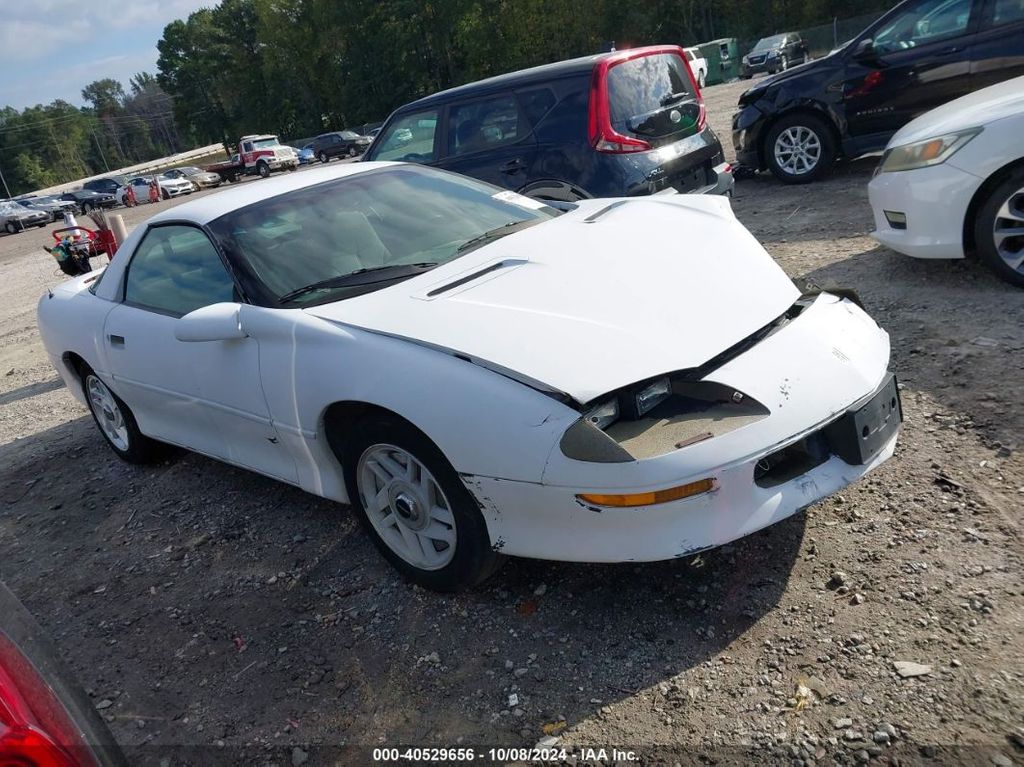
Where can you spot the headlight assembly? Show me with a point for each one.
(923, 154)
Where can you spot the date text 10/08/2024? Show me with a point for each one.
(500, 755)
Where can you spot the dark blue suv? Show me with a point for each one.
(612, 125)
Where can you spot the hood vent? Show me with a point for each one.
(475, 276)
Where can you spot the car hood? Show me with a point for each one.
(762, 86)
(608, 295)
(1006, 99)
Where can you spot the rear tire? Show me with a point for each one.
(799, 148)
(117, 424)
(414, 506)
(999, 229)
(700, 80)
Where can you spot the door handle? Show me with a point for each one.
(116, 340)
(513, 166)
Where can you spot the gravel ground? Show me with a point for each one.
(200, 604)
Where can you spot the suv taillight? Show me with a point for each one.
(603, 137)
(33, 723)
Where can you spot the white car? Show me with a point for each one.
(477, 373)
(951, 182)
(698, 65)
(169, 187)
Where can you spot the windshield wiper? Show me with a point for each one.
(493, 234)
(671, 98)
(359, 277)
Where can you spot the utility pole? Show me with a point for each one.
(102, 156)
(4, 180)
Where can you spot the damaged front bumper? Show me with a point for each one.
(823, 381)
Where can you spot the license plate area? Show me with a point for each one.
(861, 433)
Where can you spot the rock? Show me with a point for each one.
(880, 737)
(299, 757)
(857, 599)
(432, 658)
(513, 700)
(547, 741)
(843, 723)
(521, 672)
(509, 665)
(908, 669)
(104, 704)
(839, 578)
(1000, 760)
(541, 590)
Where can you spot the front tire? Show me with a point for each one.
(11, 228)
(117, 423)
(417, 510)
(322, 157)
(262, 169)
(799, 148)
(700, 80)
(783, 64)
(999, 229)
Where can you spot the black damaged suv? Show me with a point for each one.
(612, 125)
(919, 55)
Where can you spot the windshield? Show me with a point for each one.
(265, 143)
(380, 220)
(769, 42)
(349, 135)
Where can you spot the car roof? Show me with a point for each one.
(544, 72)
(206, 209)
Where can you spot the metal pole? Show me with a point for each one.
(4, 180)
(102, 156)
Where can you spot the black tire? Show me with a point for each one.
(86, 207)
(164, 194)
(474, 560)
(11, 228)
(1009, 193)
(744, 76)
(322, 157)
(139, 448)
(262, 169)
(783, 64)
(352, 151)
(803, 124)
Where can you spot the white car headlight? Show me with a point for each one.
(651, 395)
(922, 154)
(604, 415)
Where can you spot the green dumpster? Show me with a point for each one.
(723, 59)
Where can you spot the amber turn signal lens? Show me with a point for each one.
(649, 499)
(932, 149)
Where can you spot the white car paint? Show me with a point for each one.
(172, 186)
(935, 199)
(583, 307)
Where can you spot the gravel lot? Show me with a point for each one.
(204, 605)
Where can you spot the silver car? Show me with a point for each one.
(15, 217)
(201, 179)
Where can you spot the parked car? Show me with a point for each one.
(698, 65)
(109, 184)
(921, 54)
(613, 125)
(50, 204)
(306, 155)
(17, 217)
(344, 143)
(774, 54)
(201, 179)
(45, 716)
(169, 187)
(88, 200)
(951, 182)
(402, 338)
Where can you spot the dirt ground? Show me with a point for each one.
(203, 605)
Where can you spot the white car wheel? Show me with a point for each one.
(999, 229)
(108, 413)
(407, 506)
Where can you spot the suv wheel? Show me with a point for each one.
(322, 157)
(999, 229)
(784, 63)
(262, 169)
(799, 149)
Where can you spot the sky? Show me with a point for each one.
(51, 49)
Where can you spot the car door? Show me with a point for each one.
(919, 58)
(490, 139)
(998, 51)
(206, 396)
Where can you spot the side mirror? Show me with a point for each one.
(216, 322)
(864, 50)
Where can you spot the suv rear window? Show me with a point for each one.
(652, 97)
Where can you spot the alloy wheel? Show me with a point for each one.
(797, 150)
(406, 506)
(1008, 230)
(108, 413)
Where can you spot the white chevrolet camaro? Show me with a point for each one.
(477, 373)
(951, 182)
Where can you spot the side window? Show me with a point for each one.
(536, 103)
(1007, 12)
(411, 134)
(175, 270)
(923, 22)
(483, 125)
(246, 146)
